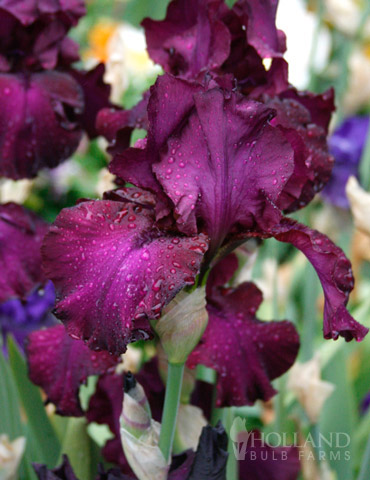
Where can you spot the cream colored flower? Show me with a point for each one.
(190, 421)
(358, 90)
(15, 191)
(131, 360)
(346, 15)
(10, 456)
(360, 204)
(127, 60)
(312, 392)
(105, 182)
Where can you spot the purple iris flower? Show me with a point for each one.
(224, 160)
(19, 318)
(346, 145)
(46, 104)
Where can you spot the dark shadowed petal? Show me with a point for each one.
(21, 235)
(136, 195)
(226, 166)
(222, 272)
(116, 125)
(258, 17)
(262, 461)
(38, 125)
(246, 353)
(96, 96)
(28, 11)
(335, 273)
(190, 39)
(60, 364)
(113, 269)
(211, 455)
(312, 161)
(63, 472)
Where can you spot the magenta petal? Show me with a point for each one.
(113, 269)
(27, 11)
(260, 461)
(191, 37)
(37, 126)
(335, 273)
(246, 353)
(59, 364)
(260, 26)
(226, 166)
(21, 235)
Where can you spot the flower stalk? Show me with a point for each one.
(171, 406)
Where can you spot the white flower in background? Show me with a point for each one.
(10, 456)
(311, 392)
(127, 60)
(359, 200)
(358, 90)
(300, 35)
(346, 15)
(15, 191)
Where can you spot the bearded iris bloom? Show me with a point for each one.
(46, 104)
(228, 154)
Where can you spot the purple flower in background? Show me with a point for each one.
(46, 104)
(346, 145)
(365, 404)
(19, 318)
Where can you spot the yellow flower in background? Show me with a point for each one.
(98, 39)
(122, 48)
(128, 60)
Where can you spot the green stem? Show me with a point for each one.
(365, 466)
(365, 163)
(171, 406)
(232, 464)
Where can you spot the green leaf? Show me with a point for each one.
(10, 422)
(339, 417)
(40, 427)
(77, 446)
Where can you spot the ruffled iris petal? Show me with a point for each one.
(246, 352)
(113, 269)
(60, 364)
(335, 274)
